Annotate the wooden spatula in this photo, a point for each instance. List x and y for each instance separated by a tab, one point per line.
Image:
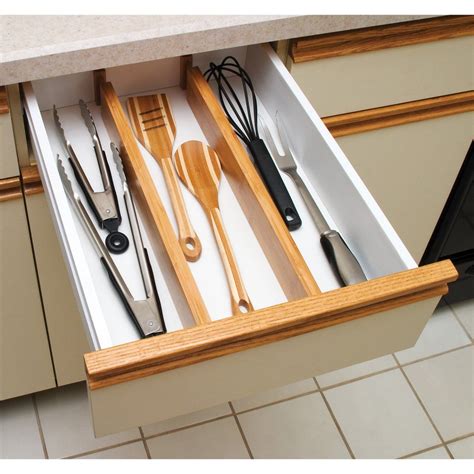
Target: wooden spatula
199	168
153	124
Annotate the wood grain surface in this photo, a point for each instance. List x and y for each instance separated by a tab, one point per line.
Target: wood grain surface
163	238
399	114
286	261
10	188
31	180
3	100
151	356
199	169
380	37
154	126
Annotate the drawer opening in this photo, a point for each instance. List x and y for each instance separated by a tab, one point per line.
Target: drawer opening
342	196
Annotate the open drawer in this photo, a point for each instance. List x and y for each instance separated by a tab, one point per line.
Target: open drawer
296	331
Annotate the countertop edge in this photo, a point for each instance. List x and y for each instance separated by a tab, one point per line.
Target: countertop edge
189	42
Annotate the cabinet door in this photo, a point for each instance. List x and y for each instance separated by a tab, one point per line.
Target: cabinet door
25	359
65	328
410	170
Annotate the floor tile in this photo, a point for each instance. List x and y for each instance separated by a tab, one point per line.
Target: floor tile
19	434
381	417
219	439
445	384
463	449
465	312
298	428
437	453
65	418
186	420
274	395
127	451
355	371
442	333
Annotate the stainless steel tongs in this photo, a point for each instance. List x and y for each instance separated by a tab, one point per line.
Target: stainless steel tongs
340	256
146	314
104	203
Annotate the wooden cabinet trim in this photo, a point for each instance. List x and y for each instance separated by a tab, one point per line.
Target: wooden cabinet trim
380	37
399	114
10	188
4	109
31	180
189	346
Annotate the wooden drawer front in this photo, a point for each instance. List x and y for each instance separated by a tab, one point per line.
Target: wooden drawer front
194	367
8	160
25	360
410	169
66	331
365	80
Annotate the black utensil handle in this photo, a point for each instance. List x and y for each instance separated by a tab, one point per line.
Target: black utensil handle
341	258
274	183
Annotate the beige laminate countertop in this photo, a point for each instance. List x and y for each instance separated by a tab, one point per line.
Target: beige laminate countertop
37	47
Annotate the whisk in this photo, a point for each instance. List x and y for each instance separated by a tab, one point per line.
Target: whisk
244	120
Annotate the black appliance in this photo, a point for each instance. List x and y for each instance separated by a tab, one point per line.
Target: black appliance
453	236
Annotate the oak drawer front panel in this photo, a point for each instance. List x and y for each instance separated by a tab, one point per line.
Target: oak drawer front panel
410	169
366	80
25	360
65	328
344	199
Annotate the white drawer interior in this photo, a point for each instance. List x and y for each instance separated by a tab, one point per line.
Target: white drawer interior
342	196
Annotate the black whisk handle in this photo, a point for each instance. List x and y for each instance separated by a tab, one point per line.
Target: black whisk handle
274	183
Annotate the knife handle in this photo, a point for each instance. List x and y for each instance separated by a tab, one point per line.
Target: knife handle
274	183
341	258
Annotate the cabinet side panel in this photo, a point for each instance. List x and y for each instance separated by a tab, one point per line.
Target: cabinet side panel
25	360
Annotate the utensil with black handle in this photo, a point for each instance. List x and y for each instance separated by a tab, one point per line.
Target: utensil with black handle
342	260
244	119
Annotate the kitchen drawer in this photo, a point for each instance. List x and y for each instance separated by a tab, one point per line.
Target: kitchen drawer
410	170
25	360
66	331
295	332
8	160
352	72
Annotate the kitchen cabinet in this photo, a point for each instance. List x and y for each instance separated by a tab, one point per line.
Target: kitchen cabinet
296	331
66	333
398	98
25	359
410	169
8	160
374	67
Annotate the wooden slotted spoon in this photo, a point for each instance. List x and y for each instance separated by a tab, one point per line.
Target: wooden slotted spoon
199	168
153	124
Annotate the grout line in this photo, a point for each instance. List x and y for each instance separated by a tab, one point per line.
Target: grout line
334	419
421	451
356	379
424	408
145	444
181	428
460	322
239	426
276	402
106	448
459	438
40	428
422	359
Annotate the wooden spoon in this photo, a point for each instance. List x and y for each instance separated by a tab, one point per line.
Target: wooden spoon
153	124
199	168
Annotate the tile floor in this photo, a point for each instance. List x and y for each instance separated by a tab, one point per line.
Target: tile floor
417	403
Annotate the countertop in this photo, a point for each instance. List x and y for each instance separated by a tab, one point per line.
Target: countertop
37	47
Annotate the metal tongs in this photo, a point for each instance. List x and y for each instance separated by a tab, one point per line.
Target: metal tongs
146	314
340	256
104	203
